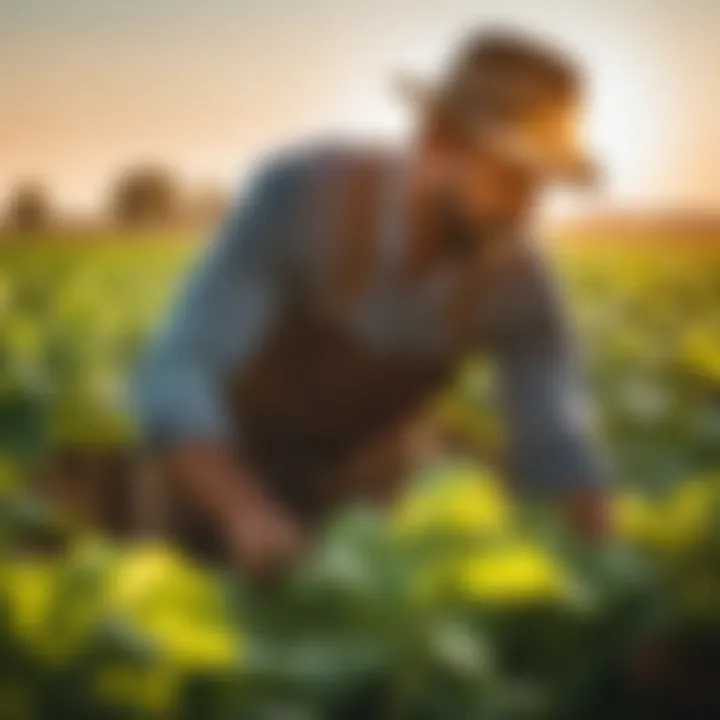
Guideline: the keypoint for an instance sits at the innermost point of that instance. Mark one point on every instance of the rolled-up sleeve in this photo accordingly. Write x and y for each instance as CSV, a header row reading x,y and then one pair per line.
x,y
551,443
219,321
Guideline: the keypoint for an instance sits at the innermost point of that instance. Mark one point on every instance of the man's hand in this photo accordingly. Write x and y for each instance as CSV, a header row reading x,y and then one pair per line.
x,y
262,540
587,514
258,535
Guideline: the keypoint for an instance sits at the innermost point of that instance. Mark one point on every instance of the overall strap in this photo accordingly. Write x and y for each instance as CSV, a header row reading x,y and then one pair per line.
x,y
485,268
358,234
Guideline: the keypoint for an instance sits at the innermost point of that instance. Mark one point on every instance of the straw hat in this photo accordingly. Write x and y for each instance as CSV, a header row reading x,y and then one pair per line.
x,y
522,96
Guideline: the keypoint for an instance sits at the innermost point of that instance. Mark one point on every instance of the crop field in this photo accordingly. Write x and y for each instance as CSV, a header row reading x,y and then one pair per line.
x,y
463,603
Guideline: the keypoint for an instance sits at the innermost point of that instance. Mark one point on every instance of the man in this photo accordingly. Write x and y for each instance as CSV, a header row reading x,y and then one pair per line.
x,y
345,289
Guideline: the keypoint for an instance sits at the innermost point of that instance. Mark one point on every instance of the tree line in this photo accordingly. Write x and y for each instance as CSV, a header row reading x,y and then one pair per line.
x,y
140,197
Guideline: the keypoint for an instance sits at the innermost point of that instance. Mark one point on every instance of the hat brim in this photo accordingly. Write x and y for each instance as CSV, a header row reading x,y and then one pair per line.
x,y
416,92
566,165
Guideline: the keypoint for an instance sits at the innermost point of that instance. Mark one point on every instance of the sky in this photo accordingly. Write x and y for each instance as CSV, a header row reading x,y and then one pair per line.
x,y
91,86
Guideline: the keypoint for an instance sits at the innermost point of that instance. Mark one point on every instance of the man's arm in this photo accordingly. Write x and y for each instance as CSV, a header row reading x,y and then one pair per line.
x,y
230,303
551,449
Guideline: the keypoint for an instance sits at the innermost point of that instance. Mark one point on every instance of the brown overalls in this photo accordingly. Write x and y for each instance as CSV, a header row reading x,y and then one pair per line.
x,y
325,416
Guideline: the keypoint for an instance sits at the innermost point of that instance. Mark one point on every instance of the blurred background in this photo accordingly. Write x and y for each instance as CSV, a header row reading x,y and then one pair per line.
x,y
125,128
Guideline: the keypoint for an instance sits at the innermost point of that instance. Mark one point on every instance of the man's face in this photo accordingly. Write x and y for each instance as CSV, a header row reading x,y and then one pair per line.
x,y
482,189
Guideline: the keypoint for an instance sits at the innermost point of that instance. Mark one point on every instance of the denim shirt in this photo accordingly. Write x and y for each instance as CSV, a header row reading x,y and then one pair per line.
x,y
239,288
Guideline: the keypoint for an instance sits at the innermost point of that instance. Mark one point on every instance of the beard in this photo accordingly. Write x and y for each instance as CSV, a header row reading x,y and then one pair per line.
x,y
460,234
